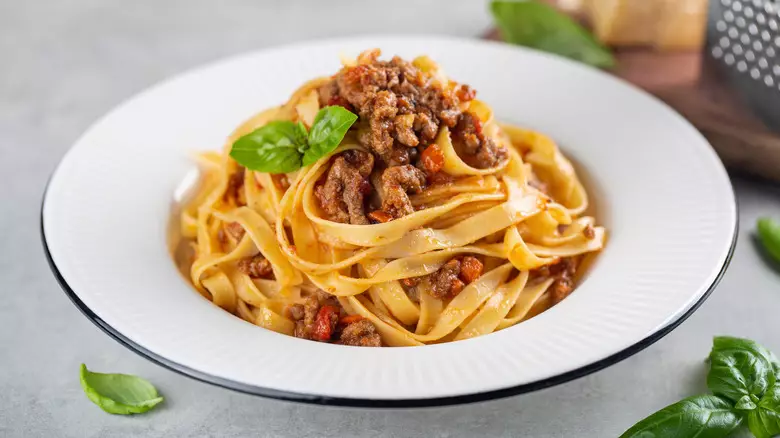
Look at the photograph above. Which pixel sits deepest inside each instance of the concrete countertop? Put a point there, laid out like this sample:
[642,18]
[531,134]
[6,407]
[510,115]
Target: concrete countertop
[63,64]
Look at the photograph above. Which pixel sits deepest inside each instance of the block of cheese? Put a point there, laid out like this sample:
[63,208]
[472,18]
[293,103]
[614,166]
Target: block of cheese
[665,24]
[682,25]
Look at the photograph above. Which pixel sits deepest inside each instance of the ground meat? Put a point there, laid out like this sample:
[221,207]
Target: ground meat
[397,181]
[384,93]
[361,333]
[341,196]
[381,122]
[280,181]
[304,327]
[235,186]
[563,273]
[256,266]
[328,93]
[454,275]
[589,232]
[426,126]
[445,281]
[311,322]
[318,319]
[235,230]
[481,152]
[401,155]
[440,179]
[295,312]
[410,287]
[404,130]
[538,184]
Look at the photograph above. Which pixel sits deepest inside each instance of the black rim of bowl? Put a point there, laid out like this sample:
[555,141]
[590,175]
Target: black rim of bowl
[382,403]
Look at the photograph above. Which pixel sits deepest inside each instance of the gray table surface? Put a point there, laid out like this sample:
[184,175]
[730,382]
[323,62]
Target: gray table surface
[63,64]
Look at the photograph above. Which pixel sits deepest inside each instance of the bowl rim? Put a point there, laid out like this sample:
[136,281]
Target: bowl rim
[365,402]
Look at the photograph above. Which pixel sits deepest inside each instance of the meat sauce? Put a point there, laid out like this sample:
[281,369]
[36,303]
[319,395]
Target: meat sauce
[400,110]
[450,279]
[321,318]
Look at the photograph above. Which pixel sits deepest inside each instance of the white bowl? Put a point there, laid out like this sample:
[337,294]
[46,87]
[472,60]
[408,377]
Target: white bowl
[659,187]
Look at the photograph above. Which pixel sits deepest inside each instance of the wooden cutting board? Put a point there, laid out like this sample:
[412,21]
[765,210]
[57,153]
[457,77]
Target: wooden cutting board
[682,80]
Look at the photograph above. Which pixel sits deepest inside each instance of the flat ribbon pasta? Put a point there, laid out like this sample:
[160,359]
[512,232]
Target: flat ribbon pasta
[521,218]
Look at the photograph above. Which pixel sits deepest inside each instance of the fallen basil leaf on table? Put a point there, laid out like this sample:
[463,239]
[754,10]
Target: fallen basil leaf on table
[764,420]
[740,368]
[119,393]
[746,403]
[769,236]
[702,416]
[743,377]
[533,24]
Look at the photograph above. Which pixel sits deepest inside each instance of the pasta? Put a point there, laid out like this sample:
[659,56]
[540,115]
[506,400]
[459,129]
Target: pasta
[435,223]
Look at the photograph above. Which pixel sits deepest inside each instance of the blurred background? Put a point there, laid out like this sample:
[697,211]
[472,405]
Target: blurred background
[65,63]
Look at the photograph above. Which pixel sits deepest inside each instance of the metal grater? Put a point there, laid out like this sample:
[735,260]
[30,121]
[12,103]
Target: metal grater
[743,37]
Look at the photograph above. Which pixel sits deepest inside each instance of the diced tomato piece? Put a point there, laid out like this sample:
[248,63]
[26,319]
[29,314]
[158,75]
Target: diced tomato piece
[339,101]
[465,93]
[470,269]
[349,319]
[410,282]
[456,287]
[433,159]
[355,74]
[380,216]
[326,321]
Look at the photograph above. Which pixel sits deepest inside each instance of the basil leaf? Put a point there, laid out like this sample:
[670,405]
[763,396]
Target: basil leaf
[274,148]
[728,342]
[702,416]
[769,236]
[764,421]
[736,373]
[119,393]
[328,129]
[746,403]
[740,367]
[534,24]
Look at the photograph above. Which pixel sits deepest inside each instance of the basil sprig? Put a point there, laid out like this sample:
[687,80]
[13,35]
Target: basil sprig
[532,23]
[119,393]
[743,377]
[739,368]
[769,236]
[701,416]
[285,146]
[764,420]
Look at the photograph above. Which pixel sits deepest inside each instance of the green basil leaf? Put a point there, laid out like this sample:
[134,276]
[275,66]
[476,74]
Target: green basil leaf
[746,403]
[274,148]
[740,367]
[328,129]
[769,236]
[534,24]
[119,393]
[701,416]
[764,421]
